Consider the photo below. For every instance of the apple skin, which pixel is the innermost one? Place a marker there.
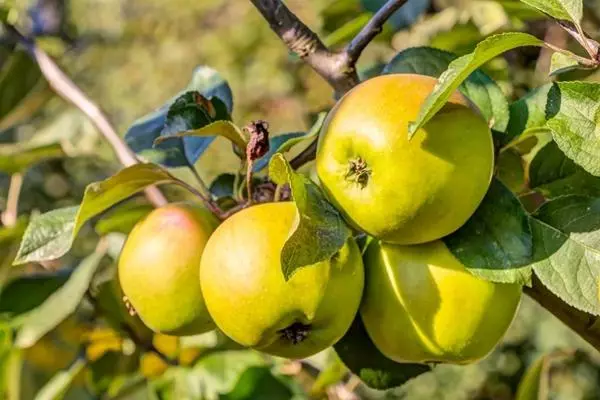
(422, 305)
(249, 299)
(395, 189)
(159, 268)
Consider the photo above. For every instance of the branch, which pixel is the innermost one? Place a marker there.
(10, 214)
(372, 29)
(584, 324)
(299, 39)
(70, 92)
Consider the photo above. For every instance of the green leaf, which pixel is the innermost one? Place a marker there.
(561, 62)
(320, 231)
(360, 355)
(574, 109)
(566, 237)
(18, 77)
(51, 235)
(220, 372)
(259, 383)
(528, 113)
(39, 95)
(17, 158)
(553, 174)
(496, 242)
(123, 218)
(26, 292)
(62, 303)
(478, 86)
(530, 384)
(568, 10)
(462, 67)
(59, 384)
(226, 129)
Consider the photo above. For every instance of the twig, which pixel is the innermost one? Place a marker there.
(307, 45)
(337, 68)
(9, 216)
(372, 29)
(581, 322)
(591, 46)
(201, 182)
(70, 92)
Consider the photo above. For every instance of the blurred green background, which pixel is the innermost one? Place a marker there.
(131, 56)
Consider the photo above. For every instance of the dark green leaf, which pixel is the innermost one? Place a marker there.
(462, 67)
(321, 231)
(51, 235)
(223, 185)
(495, 243)
(361, 356)
(62, 303)
(510, 170)
(478, 87)
(17, 158)
(26, 292)
(181, 152)
(259, 383)
(18, 76)
(59, 384)
(566, 237)
(528, 113)
(553, 174)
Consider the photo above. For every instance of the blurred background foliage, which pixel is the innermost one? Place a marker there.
(131, 56)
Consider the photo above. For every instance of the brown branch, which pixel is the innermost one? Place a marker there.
(584, 324)
(337, 68)
(69, 91)
(372, 29)
(10, 214)
(299, 39)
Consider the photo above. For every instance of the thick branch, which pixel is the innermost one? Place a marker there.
(69, 91)
(307, 45)
(372, 29)
(584, 324)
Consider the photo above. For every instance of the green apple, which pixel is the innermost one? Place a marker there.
(422, 305)
(251, 302)
(159, 268)
(395, 189)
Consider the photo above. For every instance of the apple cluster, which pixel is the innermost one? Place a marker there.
(184, 273)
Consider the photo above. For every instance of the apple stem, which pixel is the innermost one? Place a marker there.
(358, 172)
(295, 333)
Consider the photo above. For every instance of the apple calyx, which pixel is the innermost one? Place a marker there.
(295, 333)
(358, 172)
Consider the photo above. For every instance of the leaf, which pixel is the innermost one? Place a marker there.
(569, 10)
(478, 86)
(142, 133)
(39, 95)
(27, 292)
(359, 354)
(259, 383)
(18, 77)
(50, 235)
(530, 384)
(219, 372)
(59, 383)
(574, 111)
(123, 218)
(528, 113)
(17, 158)
(285, 142)
(226, 129)
(320, 231)
(462, 67)
(62, 303)
(496, 242)
(553, 174)
(566, 237)
(561, 62)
